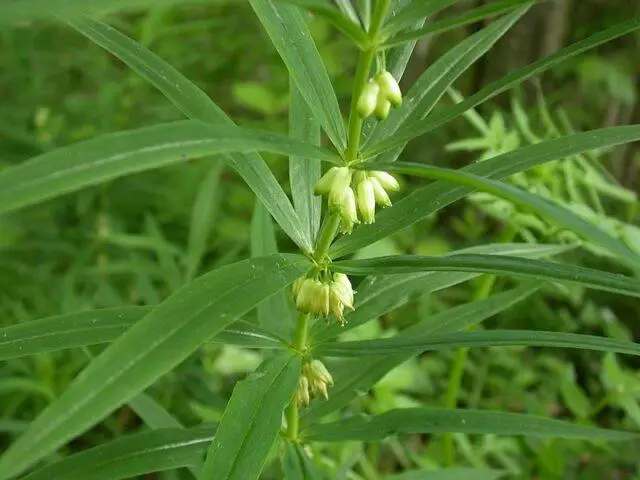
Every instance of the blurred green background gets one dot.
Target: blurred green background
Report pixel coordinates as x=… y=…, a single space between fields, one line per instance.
x=130 y=241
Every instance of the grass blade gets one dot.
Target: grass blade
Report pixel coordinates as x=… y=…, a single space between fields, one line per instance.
x=440 y=420
x=499 y=265
x=251 y=421
x=297 y=465
x=406 y=16
x=151 y=348
x=195 y=104
x=133 y=455
x=448 y=474
x=424 y=202
x=290 y=35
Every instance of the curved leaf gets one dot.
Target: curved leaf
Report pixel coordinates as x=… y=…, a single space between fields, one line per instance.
x=251 y=421
x=133 y=455
x=430 y=199
x=440 y=420
x=449 y=474
x=197 y=105
x=297 y=465
x=488 y=338
x=290 y=35
x=500 y=265
x=149 y=349
x=404 y=17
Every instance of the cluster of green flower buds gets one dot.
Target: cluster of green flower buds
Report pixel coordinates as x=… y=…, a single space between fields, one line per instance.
x=321 y=298
x=352 y=191
x=315 y=379
x=378 y=96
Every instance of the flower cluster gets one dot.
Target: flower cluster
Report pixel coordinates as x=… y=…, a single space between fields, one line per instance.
x=321 y=298
x=378 y=96
x=352 y=191
x=315 y=379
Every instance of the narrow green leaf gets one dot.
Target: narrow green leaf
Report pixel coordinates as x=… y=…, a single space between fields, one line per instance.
x=406 y=16
x=346 y=7
x=290 y=35
x=111 y=156
x=195 y=104
x=133 y=455
x=334 y=16
x=499 y=265
x=430 y=199
x=550 y=211
x=297 y=465
x=440 y=420
x=489 y=338
x=448 y=474
x=273 y=313
x=149 y=349
x=431 y=122
x=434 y=82
x=471 y=16
x=380 y=294
x=105 y=326
x=356 y=376
x=304 y=172
x=203 y=216
x=251 y=421
x=152 y=413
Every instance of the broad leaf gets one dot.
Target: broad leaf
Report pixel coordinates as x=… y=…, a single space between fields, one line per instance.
x=297 y=465
x=273 y=313
x=440 y=420
x=379 y=294
x=430 y=199
x=472 y=16
x=195 y=104
x=550 y=211
x=304 y=172
x=500 y=265
x=111 y=156
x=151 y=348
x=105 y=326
x=133 y=455
x=429 y=123
x=251 y=421
x=356 y=376
x=290 y=35
x=489 y=338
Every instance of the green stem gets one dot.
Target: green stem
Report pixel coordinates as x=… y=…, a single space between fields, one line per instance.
x=300 y=338
x=361 y=78
x=327 y=233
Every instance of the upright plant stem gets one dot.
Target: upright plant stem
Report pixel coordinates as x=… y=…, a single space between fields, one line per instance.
x=300 y=338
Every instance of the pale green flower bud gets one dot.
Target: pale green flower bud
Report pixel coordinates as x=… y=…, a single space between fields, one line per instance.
x=368 y=99
x=306 y=295
x=302 y=393
x=389 y=88
x=341 y=182
x=379 y=193
x=343 y=293
x=318 y=386
x=297 y=284
x=320 y=372
x=387 y=180
x=366 y=201
x=322 y=303
x=336 y=305
x=383 y=107
x=323 y=186
x=348 y=211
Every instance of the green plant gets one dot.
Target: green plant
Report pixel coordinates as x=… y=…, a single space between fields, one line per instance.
x=147 y=342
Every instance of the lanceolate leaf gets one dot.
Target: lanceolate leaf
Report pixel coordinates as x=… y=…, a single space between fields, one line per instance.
x=251 y=421
x=554 y=213
x=195 y=104
x=430 y=199
x=407 y=15
x=356 y=376
x=449 y=474
x=490 y=338
x=133 y=455
x=440 y=420
x=156 y=344
x=105 y=326
x=290 y=35
x=304 y=172
x=379 y=294
x=96 y=161
x=501 y=265
x=475 y=15
x=426 y=124
x=297 y=465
